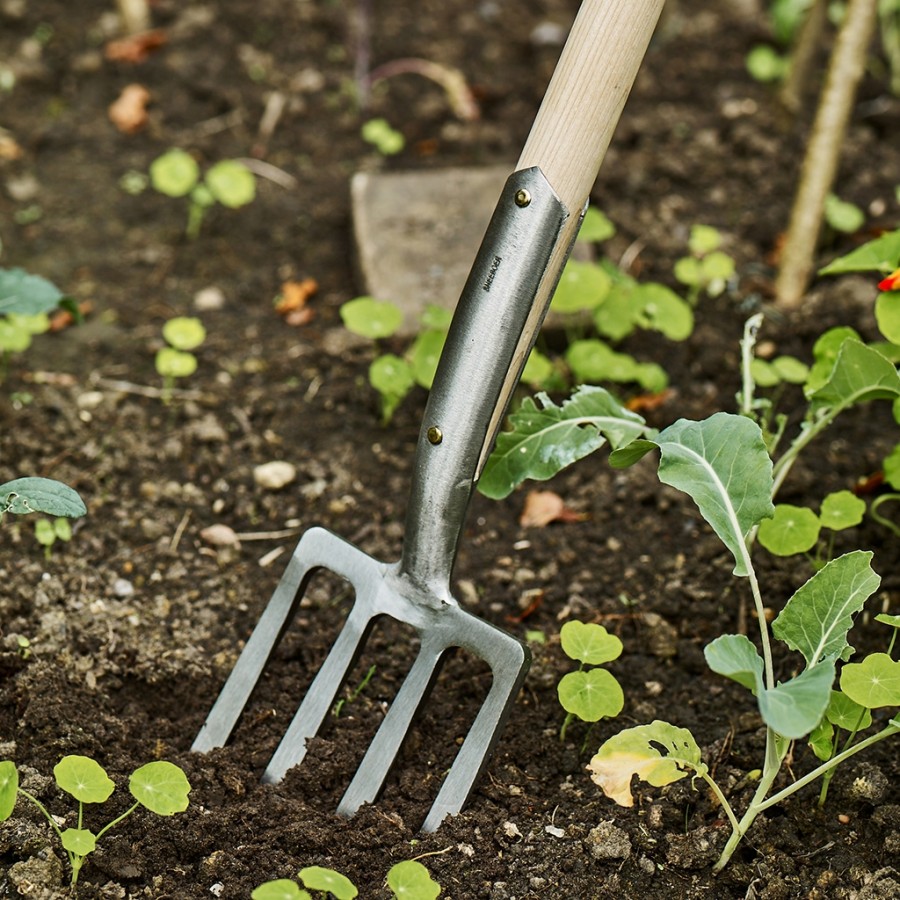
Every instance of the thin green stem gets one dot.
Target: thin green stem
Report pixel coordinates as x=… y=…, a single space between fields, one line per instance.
x=116 y=821
x=883 y=520
x=43 y=809
x=735 y=825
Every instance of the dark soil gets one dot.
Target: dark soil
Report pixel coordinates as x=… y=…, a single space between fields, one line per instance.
x=135 y=624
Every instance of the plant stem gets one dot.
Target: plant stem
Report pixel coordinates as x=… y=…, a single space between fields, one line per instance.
x=195 y=219
x=735 y=825
x=116 y=821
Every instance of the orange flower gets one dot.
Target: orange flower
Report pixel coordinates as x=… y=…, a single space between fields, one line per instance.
x=891 y=283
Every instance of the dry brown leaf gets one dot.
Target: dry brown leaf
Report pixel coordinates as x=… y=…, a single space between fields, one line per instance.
x=544 y=507
x=137 y=47
x=61 y=319
x=9 y=147
x=129 y=112
x=649 y=402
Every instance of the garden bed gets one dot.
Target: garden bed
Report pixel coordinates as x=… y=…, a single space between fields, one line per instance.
x=135 y=623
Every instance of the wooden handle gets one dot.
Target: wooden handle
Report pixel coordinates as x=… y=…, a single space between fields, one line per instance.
x=589 y=87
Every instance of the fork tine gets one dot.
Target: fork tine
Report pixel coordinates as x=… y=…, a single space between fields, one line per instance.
x=372 y=771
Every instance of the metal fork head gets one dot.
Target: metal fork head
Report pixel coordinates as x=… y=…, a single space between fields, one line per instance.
x=381 y=590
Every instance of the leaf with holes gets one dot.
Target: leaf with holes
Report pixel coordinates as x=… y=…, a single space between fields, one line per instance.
x=27 y=495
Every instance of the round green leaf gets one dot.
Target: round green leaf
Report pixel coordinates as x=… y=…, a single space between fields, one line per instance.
x=371 y=318
x=704 y=239
x=410 y=880
x=595 y=227
x=842 y=215
x=162 y=787
x=589 y=643
x=793 y=529
x=184 y=332
x=825 y=352
x=174 y=173
x=845 y=713
x=582 y=286
x=718 y=267
x=617 y=316
x=887 y=315
x=9 y=787
x=424 y=356
x=79 y=841
x=763 y=373
x=436 y=318
x=231 y=183
x=382 y=136
x=14 y=338
x=765 y=64
x=84 y=778
x=318 y=878
x=391 y=376
x=592 y=361
x=44 y=532
x=280 y=889
x=651 y=376
x=842 y=509
x=174 y=363
x=891 y=468
x=821 y=740
x=591 y=695
x=874 y=682
x=791 y=369
x=663 y=310
x=538 y=370
x=687 y=270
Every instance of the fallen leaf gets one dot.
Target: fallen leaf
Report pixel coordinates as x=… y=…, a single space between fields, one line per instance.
x=137 y=47
x=649 y=402
x=544 y=507
x=61 y=319
x=295 y=295
x=129 y=112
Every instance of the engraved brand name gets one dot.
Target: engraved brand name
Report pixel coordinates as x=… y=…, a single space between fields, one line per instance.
x=495 y=264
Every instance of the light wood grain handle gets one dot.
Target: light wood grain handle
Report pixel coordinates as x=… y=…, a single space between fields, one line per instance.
x=589 y=87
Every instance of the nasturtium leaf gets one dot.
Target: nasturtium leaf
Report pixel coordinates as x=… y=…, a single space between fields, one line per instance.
x=582 y=286
x=371 y=318
x=735 y=657
x=162 y=787
x=172 y=363
x=890 y=466
x=9 y=787
x=25 y=294
x=651 y=377
x=591 y=695
x=791 y=369
x=424 y=355
x=795 y=707
x=389 y=374
x=842 y=215
x=184 y=332
x=688 y=271
x=841 y=509
x=792 y=529
x=716 y=269
x=821 y=740
x=84 y=778
x=847 y=714
x=874 y=682
x=722 y=464
x=704 y=239
x=32 y=494
x=538 y=371
x=765 y=64
x=436 y=318
x=13 y=337
x=174 y=173
x=887 y=315
x=860 y=374
x=382 y=136
x=595 y=227
x=661 y=309
x=658 y=753
x=592 y=361
x=825 y=352
x=410 y=880
x=79 y=841
x=318 y=878
x=545 y=438
x=231 y=183
x=617 y=316
x=818 y=617
x=280 y=889
x=880 y=255
x=763 y=373
x=589 y=643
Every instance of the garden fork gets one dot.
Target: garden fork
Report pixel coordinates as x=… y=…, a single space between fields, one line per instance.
x=492 y=332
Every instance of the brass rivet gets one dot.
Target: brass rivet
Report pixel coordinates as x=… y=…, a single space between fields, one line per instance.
x=523 y=198
x=435 y=435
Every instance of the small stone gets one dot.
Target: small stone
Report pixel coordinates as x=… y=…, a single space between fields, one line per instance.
x=36 y=877
x=89 y=399
x=23 y=189
x=511 y=830
x=209 y=299
x=220 y=535
x=555 y=830
x=608 y=841
x=122 y=588
x=548 y=34
x=275 y=475
x=870 y=785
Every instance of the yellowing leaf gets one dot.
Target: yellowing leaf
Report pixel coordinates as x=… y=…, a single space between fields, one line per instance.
x=658 y=753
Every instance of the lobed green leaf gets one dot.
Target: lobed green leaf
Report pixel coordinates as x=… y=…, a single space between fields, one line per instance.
x=735 y=657
x=589 y=643
x=582 y=286
x=841 y=509
x=860 y=374
x=881 y=255
x=795 y=707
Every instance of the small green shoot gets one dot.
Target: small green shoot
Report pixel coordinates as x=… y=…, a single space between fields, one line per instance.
x=383 y=137
x=707 y=268
x=182 y=334
x=843 y=216
x=160 y=787
x=177 y=174
x=49 y=531
x=338 y=707
x=589 y=694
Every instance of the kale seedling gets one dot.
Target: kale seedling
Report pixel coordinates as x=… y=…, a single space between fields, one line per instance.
x=408 y=880
x=589 y=694
x=229 y=182
x=384 y=138
x=182 y=334
x=49 y=531
x=161 y=787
